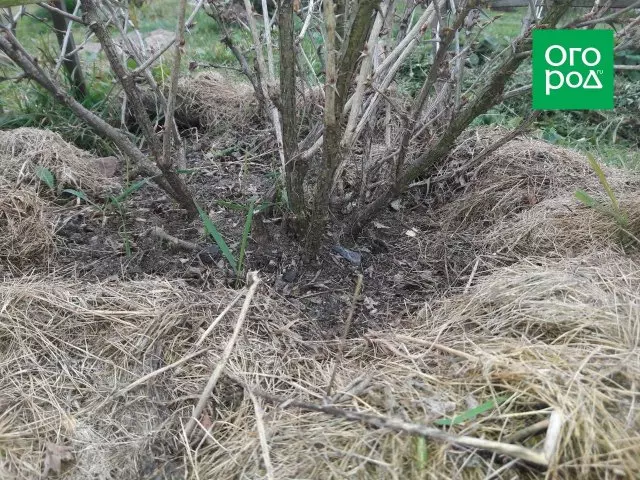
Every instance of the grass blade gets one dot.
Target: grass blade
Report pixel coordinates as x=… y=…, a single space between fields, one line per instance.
x=245 y=237
x=76 y=193
x=422 y=455
x=585 y=198
x=222 y=245
x=603 y=181
x=472 y=412
x=46 y=176
x=134 y=187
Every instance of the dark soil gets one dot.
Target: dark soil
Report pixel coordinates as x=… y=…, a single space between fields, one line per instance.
x=401 y=270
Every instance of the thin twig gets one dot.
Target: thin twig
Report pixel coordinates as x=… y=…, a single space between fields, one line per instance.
x=151 y=60
x=67 y=15
x=527 y=432
x=219 y=318
x=401 y=426
x=606 y=18
x=307 y=22
x=217 y=372
x=262 y=435
x=155 y=373
x=345 y=332
x=626 y=67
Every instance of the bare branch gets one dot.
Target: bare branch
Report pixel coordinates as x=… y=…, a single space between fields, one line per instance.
x=169 y=131
x=397 y=425
x=67 y=15
x=134 y=97
x=217 y=372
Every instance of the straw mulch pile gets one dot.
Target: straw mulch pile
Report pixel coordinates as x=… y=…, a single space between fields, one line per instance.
x=216 y=102
x=513 y=179
x=29 y=214
x=23 y=150
x=540 y=336
x=27 y=226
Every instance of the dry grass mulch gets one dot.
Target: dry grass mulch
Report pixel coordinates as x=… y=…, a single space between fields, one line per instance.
x=542 y=337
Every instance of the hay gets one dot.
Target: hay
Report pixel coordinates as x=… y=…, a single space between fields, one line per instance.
x=563 y=227
x=24 y=149
x=559 y=336
x=27 y=225
x=512 y=179
x=215 y=102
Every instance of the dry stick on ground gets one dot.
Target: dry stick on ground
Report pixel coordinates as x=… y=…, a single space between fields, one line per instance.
x=397 y=425
x=262 y=434
x=527 y=431
x=158 y=232
x=254 y=281
x=219 y=318
x=345 y=332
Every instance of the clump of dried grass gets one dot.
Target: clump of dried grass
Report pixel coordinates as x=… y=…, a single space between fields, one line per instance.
x=23 y=150
x=550 y=335
x=27 y=226
x=563 y=227
x=514 y=178
x=216 y=102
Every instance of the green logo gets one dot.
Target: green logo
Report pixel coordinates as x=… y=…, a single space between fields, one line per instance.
x=573 y=69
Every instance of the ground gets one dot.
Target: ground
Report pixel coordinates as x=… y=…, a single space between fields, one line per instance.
x=494 y=304
x=496 y=334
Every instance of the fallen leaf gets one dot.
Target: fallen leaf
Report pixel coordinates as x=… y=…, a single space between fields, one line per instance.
x=54 y=456
x=411 y=233
x=396 y=205
x=380 y=225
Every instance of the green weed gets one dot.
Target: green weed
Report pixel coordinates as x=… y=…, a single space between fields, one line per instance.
x=612 y=207
x=472 y=412
x=215 y=234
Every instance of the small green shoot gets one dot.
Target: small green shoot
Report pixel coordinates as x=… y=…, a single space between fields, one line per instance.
x=472 y=412
x=602 y=178
x=238 y=207
x=422 y=454
x=245 y=238
x=134 y=187
x=77 y=193
x=45 y=175
x=222 y=245
x=613 y=208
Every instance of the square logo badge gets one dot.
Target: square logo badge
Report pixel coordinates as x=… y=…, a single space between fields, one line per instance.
x=572 y=69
